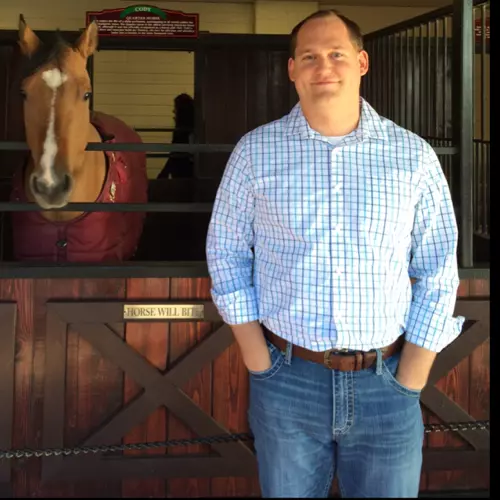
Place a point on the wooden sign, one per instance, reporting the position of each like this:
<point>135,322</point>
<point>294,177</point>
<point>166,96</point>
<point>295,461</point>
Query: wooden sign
<point>151,312</point>
<point>144,21</point>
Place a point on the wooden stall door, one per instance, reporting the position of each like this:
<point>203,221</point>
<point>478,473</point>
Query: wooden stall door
<point>241,83</point>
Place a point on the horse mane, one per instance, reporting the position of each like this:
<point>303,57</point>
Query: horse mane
<point>51,52</point>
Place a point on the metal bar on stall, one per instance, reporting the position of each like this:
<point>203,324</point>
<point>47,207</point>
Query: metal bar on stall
<point>158,147</point>
<point>187,207</point>
<point>483,57</point>
<point>445,80</point>
<point>476,167</point>
<point>482,159</point>
<point>380,76</point>
<point>476,200</point>
<point>392,70</point>
<point>439,81</point>
<point>487,175</point>
<point>386,80</point>
<point>462,109</point>
<point>421,80</point>
<point>415,100</point>
<point>401,83</point>
<point>430,78</point>
<point>136,147</point>
<point>406,77</point>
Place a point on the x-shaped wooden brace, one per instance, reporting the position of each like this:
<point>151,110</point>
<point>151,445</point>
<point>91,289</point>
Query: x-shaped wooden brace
<point>89,319</point>
<point>476,331</point>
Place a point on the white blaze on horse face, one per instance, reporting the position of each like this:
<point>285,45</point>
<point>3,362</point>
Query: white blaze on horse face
<point>54,78</point>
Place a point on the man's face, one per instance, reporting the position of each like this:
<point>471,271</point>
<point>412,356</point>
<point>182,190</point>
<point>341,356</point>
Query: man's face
<point>327,66</point>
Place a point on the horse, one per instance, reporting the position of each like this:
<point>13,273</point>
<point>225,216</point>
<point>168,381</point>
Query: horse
<point>58,170</point>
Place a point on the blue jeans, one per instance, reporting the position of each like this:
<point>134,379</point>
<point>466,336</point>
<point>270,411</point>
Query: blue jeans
<point>310,423</point>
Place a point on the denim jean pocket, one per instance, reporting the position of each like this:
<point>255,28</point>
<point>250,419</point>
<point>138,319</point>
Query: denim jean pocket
<point>277,360</point>
<point>390,366</point>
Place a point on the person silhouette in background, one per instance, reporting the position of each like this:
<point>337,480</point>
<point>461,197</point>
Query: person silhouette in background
<point>181,164</point>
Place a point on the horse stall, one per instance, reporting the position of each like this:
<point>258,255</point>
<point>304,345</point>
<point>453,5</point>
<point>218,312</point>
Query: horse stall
<point>119,379</point>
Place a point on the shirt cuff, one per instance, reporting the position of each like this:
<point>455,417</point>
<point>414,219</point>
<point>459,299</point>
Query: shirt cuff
<point>237,307</point>
<point>432,338</point>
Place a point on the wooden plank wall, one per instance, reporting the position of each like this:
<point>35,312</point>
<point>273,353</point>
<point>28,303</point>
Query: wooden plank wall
<point>468,384</point>
<point>96,389</point>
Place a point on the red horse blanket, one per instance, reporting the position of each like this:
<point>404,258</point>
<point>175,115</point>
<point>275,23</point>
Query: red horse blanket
<point>94,236</point>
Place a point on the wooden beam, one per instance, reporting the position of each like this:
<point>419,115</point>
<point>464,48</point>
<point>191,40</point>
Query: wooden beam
<point>8,316</point>
<point>115,468</point>
<point>159,387</point>
<point>54,390</point>
<point>448,411</point>
<point>112,311</point>
<point>235,458</point>
<point>476,331</point>
<point>452,459</point>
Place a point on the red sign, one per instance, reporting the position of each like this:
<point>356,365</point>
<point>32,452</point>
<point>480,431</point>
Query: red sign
<point>479,28</point>
<point>145,21</point>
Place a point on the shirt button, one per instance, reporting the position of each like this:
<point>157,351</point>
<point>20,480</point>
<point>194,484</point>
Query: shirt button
<point>338,272</point>
<point>337,188</point>
<point>61,243</point>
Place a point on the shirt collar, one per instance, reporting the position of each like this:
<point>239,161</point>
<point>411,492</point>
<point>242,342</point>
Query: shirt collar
<point>370,124</point>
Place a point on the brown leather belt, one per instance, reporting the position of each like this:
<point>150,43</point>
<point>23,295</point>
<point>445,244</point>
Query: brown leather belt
<point>337,359</point>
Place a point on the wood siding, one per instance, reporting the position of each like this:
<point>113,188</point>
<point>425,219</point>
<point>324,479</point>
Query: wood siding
<point>97,390</point>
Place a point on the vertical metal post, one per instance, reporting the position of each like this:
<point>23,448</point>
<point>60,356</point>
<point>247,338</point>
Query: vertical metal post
<point>463,130</point>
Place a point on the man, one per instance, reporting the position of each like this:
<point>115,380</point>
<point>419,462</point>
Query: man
<point>320,221</point>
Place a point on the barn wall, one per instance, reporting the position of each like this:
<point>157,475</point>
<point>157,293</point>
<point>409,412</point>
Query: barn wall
<point>140,87</point>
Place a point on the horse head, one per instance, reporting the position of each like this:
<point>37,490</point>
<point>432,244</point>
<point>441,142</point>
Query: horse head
<point>56,88</point>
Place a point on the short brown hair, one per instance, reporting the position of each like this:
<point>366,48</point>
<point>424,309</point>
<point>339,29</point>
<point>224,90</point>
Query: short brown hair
<point>353,29</point>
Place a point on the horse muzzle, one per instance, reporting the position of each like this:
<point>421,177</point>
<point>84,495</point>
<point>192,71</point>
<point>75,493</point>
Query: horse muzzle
<point>51,193</point>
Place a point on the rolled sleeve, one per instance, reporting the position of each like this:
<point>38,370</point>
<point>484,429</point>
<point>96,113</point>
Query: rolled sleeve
<point>230,240</point>
<point>237,307</point>
<point>433,264</point>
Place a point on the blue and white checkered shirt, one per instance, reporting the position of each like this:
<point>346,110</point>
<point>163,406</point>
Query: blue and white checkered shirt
<point>319,242</point>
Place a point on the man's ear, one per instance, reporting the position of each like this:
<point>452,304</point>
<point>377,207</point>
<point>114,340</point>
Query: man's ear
<point>291,69</point>
<point>364,62</point>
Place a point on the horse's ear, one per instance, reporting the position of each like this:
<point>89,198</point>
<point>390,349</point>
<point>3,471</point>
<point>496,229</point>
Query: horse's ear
<point>28,41</point>
<point>88,41</point>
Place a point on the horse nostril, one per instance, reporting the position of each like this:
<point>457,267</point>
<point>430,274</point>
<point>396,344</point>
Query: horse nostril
<point>37,188</point>
<point>66,183</point>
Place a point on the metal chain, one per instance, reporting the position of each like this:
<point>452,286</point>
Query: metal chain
<point>244,436</point>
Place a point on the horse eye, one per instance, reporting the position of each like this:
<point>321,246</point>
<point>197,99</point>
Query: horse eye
<point>87,96</point>
<point>23,93</point>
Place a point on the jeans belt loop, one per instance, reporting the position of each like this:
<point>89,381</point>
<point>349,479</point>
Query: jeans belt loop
<point>288,353</point>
